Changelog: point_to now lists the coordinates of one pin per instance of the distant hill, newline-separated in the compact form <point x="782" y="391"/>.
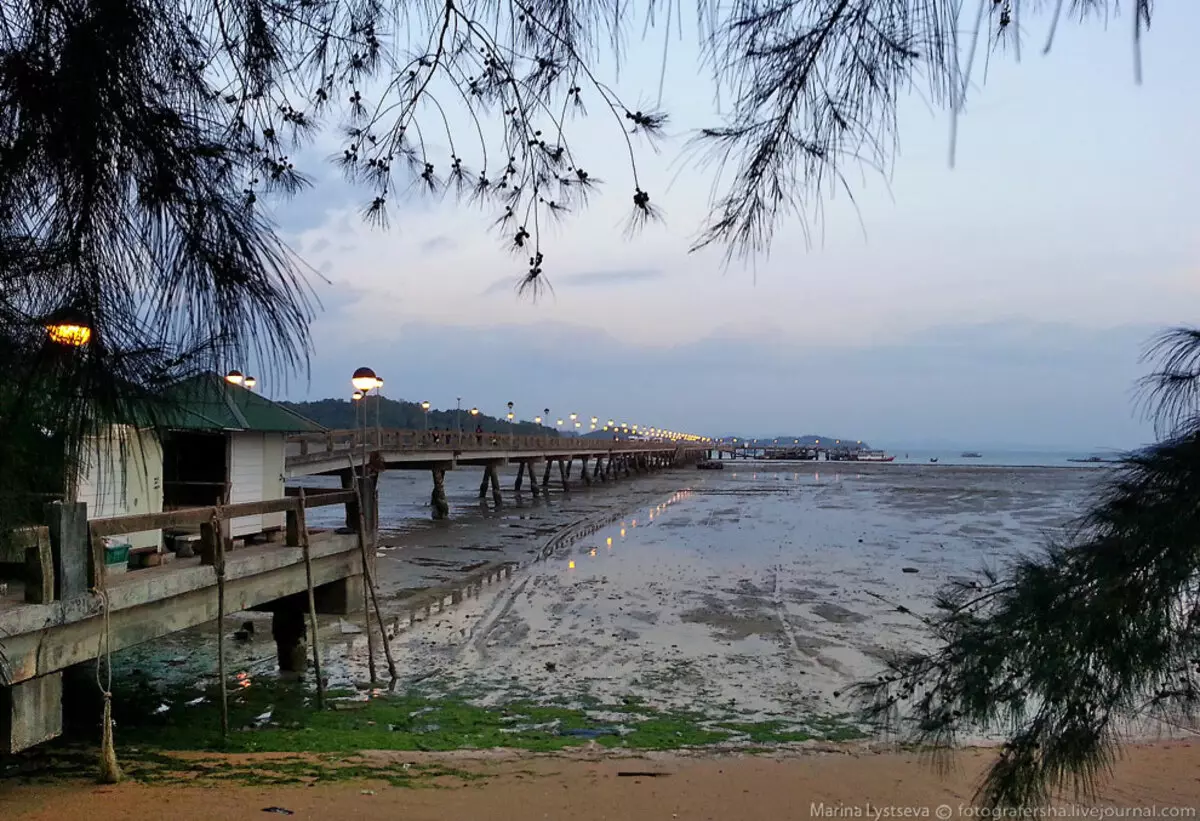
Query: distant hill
<point x="339" y="414"/>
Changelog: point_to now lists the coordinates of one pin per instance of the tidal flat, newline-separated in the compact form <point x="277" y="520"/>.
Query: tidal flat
<point x="681" y="609"/>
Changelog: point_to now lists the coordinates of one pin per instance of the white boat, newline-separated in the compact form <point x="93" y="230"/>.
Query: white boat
<point x="874" y="456"/>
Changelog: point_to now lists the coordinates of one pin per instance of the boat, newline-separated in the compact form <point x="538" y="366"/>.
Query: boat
<point x="874" y="456"/>
<point x="970" y="454"/>
<point x="933" y="459"/>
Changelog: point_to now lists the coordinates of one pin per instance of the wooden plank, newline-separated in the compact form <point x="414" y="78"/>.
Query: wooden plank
<point x="198" y="515"/>
<point x="39" y="569"/>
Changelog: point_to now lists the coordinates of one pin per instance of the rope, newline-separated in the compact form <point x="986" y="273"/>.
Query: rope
<point x="110" y="769"/>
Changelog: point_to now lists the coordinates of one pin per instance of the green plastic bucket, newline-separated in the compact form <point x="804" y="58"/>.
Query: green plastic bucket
<point x="117" y="554"/>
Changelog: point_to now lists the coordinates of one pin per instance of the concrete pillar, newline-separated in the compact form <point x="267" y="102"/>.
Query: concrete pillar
<point x="30" y="712"/>
<point x="291" y="639"/>
<point x="583" y="470"/>
<point x="520" y="476"/>
<point x="441" y="507"/>
<point x="67" y="523"/>
<point x="493" y="473"/>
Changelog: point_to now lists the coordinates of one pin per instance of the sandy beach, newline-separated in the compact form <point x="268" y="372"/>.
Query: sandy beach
<point x="1158" y="781"/>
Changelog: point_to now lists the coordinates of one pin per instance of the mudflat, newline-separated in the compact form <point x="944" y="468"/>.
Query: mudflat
<point x="1149" y="781"/>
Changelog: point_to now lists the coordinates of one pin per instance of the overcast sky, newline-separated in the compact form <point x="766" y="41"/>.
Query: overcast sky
<point x="1003" y="302"/>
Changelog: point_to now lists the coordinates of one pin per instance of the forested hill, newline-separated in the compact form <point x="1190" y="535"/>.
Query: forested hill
<point x="339" y="414"/>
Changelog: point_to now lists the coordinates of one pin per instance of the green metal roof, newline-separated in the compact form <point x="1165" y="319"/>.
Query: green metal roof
<point x="210" y="402"/>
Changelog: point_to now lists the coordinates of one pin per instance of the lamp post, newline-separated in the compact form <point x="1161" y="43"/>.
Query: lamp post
<point x="249" y="382"/>
<point x="511" y="435"/>
<point x="235" y="378"/>
<point x="425" y="408"/>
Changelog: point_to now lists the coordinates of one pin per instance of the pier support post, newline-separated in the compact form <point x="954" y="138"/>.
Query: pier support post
<point x="564" y="473"/>
<point x="441" y="507"/>
<point x="570" y="463"/>
<point x="520" y="476"/>
<point x="596" y="474"/>
<point x="291" y="639"/>
<point x="546" y="476"/>
<point x="626" y="462"/>
<point x="583" y="470"/>
<point x="493" y="474"/>
<point x="533" y="483"/>
<point x="483" y="486"/>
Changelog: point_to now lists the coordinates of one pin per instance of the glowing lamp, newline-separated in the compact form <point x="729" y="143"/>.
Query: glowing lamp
<point x="250" y="382"/>
<point x="235" y="377"/>
<point x="358" y="395"/>
<point x="424" y="406"/>
<point x="68" y="327"/>
<point x="364" y="379"/>
<point x="474" y="411"/>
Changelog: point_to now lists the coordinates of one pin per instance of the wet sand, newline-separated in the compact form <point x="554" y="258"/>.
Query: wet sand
<point x="1154" y="781"/>
<point x="757" y="593"/>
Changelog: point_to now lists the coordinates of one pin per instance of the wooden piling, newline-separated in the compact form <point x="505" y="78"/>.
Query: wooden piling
<point x="302" y="527"/>
<point x="520" y="476"/>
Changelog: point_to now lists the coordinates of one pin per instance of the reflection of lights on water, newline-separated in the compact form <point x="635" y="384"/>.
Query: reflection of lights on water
<point x="610" y="541"/>
<point x="622" y="533"/>
<point x="243" y="680"/>
<point x="592" y="552"/>
<point x="635" y="522"/>
<point x="571" y="565"/>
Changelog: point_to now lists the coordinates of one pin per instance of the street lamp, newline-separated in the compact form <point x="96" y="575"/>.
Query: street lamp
<point x="250" y="382"/>
<point x="235" y="377"/>
<point x="510" y="424"/>
<point x="425" y="408"/>
<point x="364" y="379"/>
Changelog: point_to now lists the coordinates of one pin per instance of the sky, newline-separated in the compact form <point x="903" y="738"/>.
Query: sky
<point x="1001" y="302"/>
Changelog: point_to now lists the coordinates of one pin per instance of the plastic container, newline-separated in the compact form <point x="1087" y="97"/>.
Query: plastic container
<point x="117" y="554"/>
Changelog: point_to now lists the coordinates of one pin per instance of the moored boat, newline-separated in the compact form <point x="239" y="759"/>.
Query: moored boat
<point x="874" y="456"/>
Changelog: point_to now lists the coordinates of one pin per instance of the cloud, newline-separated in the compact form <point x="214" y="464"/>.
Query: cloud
<point x="618" y="276"/>
<point x="586" y="279"/>
<point x="439" y="243"/>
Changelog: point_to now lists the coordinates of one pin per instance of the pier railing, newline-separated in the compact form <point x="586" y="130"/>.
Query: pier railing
<point x="317" y="446"/>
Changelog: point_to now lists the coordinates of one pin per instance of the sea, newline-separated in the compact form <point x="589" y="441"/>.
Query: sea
<point x="1004" y="458"/>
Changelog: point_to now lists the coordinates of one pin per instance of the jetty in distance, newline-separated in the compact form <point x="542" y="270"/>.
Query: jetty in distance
<point x="800" y="448"/>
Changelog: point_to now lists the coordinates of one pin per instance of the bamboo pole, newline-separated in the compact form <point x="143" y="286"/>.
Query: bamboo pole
<point x="362" y="549"/>
<point x="302" y="526"/>
<point x="218" y="548"/>
<point x="369" y="588"/>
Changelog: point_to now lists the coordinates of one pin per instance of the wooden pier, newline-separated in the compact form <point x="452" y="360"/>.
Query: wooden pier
<point x="71" y="602"/>
<point x="599" y="460"/>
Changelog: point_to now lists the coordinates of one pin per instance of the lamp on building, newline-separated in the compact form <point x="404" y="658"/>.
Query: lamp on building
<point x="235" y="377"/>
<point x="250" y="382"/>
<point x="68" y="327"/>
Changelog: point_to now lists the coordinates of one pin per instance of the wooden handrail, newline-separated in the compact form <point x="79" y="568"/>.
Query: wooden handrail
<point x="319" y="446"/>
<point x="195" y="515"/>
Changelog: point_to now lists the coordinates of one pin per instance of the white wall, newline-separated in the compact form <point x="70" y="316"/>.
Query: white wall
<point x="245" y="479"/>
<point x="122" y="476"/>
<point x="272" y="477"/>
